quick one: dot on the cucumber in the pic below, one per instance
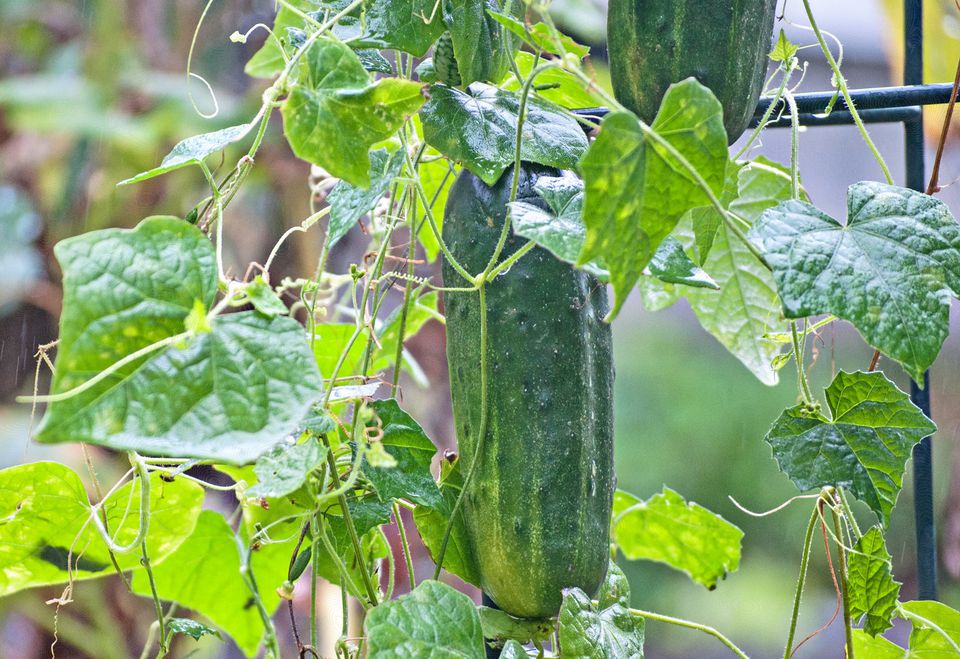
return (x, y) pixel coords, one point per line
(725, 45)
(538, 509)
(445, 62)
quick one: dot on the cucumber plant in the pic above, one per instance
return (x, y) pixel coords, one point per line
(291, 388)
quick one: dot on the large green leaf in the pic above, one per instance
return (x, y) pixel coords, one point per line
(348, 203)
(204, 575)
(335, 114)
(685, 536)
(412, 451)
(408, 25)
(636, 191)
(45, 525)
(872, 589)
(747, 306)
(606, 630)
(890, 270)
(229, 393)
(479, 127)
(433, 620)
(863, 448)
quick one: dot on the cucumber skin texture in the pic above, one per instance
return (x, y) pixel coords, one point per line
(538, 510)
(723, 43)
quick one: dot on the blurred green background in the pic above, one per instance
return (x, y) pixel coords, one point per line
(93, 91)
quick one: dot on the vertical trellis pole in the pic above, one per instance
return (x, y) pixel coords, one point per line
(922, 453)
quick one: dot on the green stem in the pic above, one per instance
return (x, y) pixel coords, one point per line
(680, 622)
(407, 291)
(481, 437)
(848, 512)
(844, 584)
(801, 580)
(842, 85)
(766, 115)
(794, 146)
(158, 608)
(798, 358)
(408, 557)
(351, 527)
(505, 265)
(515, 183)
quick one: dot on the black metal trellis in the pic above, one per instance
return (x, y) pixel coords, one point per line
(898, 104)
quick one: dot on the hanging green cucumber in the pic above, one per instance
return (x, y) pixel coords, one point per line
(725, 45)
(445, 62)
(538, 509)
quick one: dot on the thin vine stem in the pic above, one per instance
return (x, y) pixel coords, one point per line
(842, 85)
(801, 580)
(774, 102)
(405, 546)
(844, 584)
(680, 622)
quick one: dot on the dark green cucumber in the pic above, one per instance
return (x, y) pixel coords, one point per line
(725, 45)
(538, 509)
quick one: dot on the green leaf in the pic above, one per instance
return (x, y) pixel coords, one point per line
(890, 270)
(865, 645)
(204, 575)
(335, 114)
(615, 588)
(192, 628)
(561, 231)
(747, 306)
(783, 50)
(459, 558)
(408, 25)
(538, 36)
(45, 525)
(483, 49)
(264, 299)
(513, 650)
(479, 128)
(635, 190)
(500, 625)
(348, 203)
(285, 468)
(873, 592)
(329, 342)
(269, 60)
(405, 441)
(671, 264)
(193, 150)
(433, 620)
(685, 536)
(22, 263)
(864, 448)
(608, 631)
(229, 394)
(925, 641)
(367, 515)
(558, 86)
